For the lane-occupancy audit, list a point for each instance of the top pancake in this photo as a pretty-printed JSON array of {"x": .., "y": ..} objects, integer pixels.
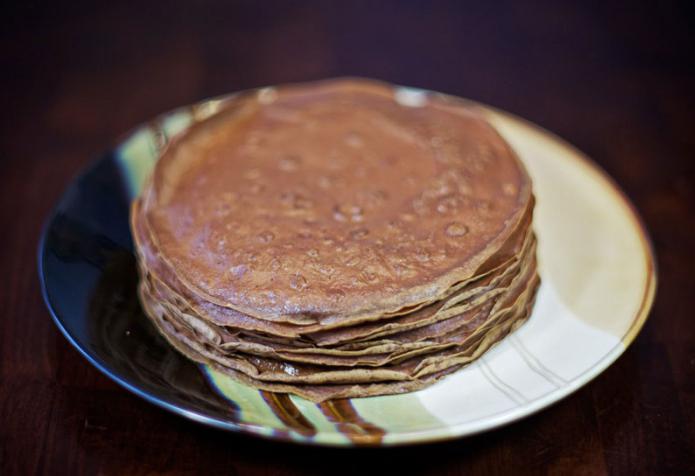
[{"x": 334, "y": 199}]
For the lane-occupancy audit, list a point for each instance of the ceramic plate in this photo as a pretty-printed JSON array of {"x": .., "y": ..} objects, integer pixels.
[{"x": 598, "y": 284}]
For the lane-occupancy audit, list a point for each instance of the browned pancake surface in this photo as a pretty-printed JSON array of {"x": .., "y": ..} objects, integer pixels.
[{"x": 333, "y": 199}]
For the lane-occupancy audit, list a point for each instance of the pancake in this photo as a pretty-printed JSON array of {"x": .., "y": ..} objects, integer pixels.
[
  {"x": 283, "y": 371},
  {"x": 333, "y": 200},
  {"x": 337, "y": 239},
  {"x": 220, "y": 315},
  {"x": 445, "y": 335},
  {"x": 320, "y": 393},
  {"x": 422, "y": 318}
]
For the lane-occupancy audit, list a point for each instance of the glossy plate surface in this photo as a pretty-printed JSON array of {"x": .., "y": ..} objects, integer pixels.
[{"x": 598, "y": 284}]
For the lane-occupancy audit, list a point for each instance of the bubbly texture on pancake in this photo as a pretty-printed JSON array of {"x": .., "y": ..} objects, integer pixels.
[
  {"x": 337, "y": 239},
  {"x": 333, "y": 199}
]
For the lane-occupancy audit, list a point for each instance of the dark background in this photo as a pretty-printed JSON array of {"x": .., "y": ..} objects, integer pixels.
[{"x": 614, "y": 78}]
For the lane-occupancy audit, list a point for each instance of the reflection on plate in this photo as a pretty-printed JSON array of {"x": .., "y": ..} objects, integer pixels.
[{"x": 598, "y": 284}]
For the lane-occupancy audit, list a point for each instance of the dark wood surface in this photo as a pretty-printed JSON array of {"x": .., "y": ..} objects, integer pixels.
[{"x": 616, "y": 80}]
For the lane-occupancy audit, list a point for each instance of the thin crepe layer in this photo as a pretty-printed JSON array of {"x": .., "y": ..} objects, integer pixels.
[
  {"x": 320, "y": 393},
  {"x": 407, "y": 340},
  {"x": 464, "y": 170},
  {"x": 281, "y": 371},
  {"x": 322, "y": 333}
]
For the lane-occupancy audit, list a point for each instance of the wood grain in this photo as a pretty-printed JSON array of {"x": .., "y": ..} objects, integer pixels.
[{"x": 617, "y": 80}]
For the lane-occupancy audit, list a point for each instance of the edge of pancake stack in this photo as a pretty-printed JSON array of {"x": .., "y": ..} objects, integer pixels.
[{"x": 337, "y": 239}]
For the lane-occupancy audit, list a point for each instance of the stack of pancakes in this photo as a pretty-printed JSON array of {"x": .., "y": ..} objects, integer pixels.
[{"x": 337, "y": 239}]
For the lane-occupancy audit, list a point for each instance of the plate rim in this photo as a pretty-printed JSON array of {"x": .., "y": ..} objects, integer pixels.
[{"x": 406, "y": 438}]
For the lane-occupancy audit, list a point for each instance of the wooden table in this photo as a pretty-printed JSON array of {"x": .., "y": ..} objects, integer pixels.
[{"x": 617, "y": 81}]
